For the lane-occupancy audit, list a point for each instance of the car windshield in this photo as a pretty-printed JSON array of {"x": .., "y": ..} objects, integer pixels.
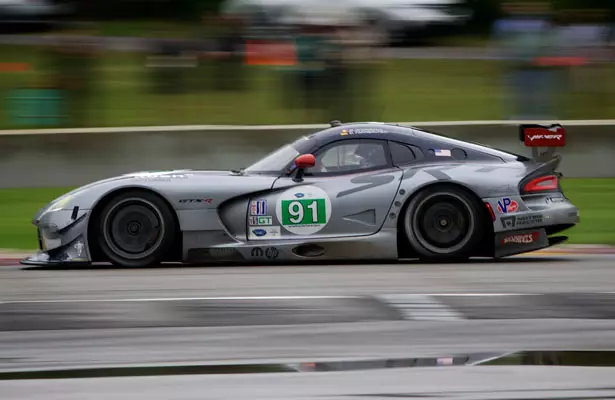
[{"x": 275, "y": 161}]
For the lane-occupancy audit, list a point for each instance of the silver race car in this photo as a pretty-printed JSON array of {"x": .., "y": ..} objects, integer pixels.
[{"x": 362, "y": 191}]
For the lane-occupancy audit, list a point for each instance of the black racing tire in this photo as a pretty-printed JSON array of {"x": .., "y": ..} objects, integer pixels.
[
  {"x": 444, "y": 223},
  {"x": 136, "y": 229}
]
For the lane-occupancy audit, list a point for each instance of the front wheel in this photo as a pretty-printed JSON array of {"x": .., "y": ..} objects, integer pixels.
[
  {"x": 136, "y": 229},
  {"x": 444, "y": 224}
]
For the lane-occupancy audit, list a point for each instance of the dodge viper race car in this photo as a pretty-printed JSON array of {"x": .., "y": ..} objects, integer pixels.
[{"x": 361, "y": 191}]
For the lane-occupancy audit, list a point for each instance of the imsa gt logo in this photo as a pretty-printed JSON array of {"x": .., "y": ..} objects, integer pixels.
[{"x": 259, "y": 221}]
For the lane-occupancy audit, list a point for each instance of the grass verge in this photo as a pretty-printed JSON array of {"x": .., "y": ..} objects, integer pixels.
[{"x": 594, "y": 197}]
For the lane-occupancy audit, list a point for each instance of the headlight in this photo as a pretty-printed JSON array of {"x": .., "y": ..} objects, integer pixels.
[
  {"x": 60, "y": 203},
  {"x": 49, "y": 237}
]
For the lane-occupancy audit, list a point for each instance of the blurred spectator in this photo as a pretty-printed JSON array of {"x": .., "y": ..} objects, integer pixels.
[
  {"x": 586, "y": 40},
  {"x": 364, "y": 42},
  {"x": 228, "y": 54},
  {"x": 72, "y": 70},
  {"x": 524, "y": 36},
  {"x": 311, "y": 43},
  {"x": 337, "y": 77},
  {"x": 165, "y": 65}
]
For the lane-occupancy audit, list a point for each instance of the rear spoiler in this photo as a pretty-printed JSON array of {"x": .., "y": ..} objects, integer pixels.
[{"x": 541, "y": 136}]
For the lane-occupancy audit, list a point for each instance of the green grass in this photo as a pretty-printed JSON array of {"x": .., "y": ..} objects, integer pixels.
[
  {"x": 594, "y": 197},
  {"x": 17, "y": 208},
  {"x": 404, "y": 90}
]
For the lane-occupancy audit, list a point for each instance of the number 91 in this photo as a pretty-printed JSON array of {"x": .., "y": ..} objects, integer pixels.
[{"x": 295, "y": 209}]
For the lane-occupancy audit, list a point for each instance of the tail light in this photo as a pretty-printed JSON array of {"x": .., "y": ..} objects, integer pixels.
[
  {"x": 542, "y": 184},
  {"x": 490, "y": 211}
]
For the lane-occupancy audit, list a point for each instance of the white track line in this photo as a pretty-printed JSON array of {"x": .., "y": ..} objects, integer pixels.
[
  {"x": 257, "y": 298},
  {"x": 418, "y": 307},
  {"x": 419, "y": 300},
  {"x": 158, "y": 299},
  {"x": 486, "y": 360}
]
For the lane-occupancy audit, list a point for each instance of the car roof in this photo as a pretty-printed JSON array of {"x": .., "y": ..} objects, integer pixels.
[
  {"x": 399, "y": 133},
  {"x": 366, "y": 130}
]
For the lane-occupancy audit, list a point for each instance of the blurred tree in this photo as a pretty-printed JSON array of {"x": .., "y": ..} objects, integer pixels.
[
  {"x": 145, "y": 9},
  {"x": 484, "y": 13}
]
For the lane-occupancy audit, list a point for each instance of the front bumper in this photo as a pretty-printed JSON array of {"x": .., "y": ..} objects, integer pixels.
[
  {"x": 74, "y": 253},
  {"x": 62, "y": 238}
]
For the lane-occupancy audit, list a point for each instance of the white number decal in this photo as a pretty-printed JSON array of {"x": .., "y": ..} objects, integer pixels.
[
  {"x": 314, "y": 208},
  {"x": 296, "y": 210}
]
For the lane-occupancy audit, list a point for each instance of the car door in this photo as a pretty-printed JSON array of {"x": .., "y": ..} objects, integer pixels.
[{"x": 339, "y": 196}]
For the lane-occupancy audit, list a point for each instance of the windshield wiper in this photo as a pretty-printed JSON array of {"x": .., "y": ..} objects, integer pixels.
[{"x": 238, "y": 171}]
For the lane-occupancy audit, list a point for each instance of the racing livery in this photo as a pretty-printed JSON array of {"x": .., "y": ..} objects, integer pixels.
[{"x": 360, "y": 191}]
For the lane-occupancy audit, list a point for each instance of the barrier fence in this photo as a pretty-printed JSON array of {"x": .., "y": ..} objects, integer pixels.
[{"x": 72, "y": 157}]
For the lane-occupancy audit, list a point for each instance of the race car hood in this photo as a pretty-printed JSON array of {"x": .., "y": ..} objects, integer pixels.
[{"x": 183, "y": 189}]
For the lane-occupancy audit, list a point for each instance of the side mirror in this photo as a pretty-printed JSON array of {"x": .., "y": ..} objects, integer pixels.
[{"x": 302, "y": 162}]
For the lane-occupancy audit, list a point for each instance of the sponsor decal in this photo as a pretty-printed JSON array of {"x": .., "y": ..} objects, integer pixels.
[
  {"x": 441, "y": 153},
  {"x": 306, "y": 215},
  {"x": 160, "y": 175},
  {"x": 259, "y": 221},
  {"x": 270, "y": 232},
  {"x": 507, "y": 205},
  {"x": 272, "y": 253},
  {"x": 208, "y": 201},
  {"x": 299, "y": 195},
  {"x": 361, "y": 131},
  {"x": 521, "y": 220},
  {"x": 258, "y": 207},
  {"x": 79, "y": 249},
  {"x": 540, "y": 136},
  {"x": 524, "y": 238},
  {"x": 536, "y": 136}
]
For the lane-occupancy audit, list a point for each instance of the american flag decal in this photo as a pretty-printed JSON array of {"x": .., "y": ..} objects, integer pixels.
[
  {"x": 258, "y": 207},
  {"x": 442, "y": 153}
]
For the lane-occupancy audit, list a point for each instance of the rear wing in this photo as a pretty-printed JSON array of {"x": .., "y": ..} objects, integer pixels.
[{"x": 540, "y": 136}]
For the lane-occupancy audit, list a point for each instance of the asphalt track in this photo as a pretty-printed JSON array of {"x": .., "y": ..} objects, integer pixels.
[
  {"x": 109, "y": 317},
  {"x": 538, "y": 274}
]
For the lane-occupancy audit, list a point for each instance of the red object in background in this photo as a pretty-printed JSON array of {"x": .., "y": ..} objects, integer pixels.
[
  {"x": 544, "y": 183},
  {"x": 14, "y": 67},
  {"x": 560, "y": 61},
  {"x": 542, "y": 136},
  {"x": 305, "y": 161},
  {"x": 270, "y": 53}
]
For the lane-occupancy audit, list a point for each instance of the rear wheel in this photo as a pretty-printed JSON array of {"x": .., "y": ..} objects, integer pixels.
[
  {"x": 136, "y": 229},
  {"x": 443, "y": 224}
]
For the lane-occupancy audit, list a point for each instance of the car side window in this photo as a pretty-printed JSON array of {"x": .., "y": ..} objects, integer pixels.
[
  {"x": 401, "y": 154},
  {"x": 350, "y": 156}
]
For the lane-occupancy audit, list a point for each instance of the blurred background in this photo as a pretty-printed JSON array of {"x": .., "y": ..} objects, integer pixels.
[{"x": 169, "y": 62}]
